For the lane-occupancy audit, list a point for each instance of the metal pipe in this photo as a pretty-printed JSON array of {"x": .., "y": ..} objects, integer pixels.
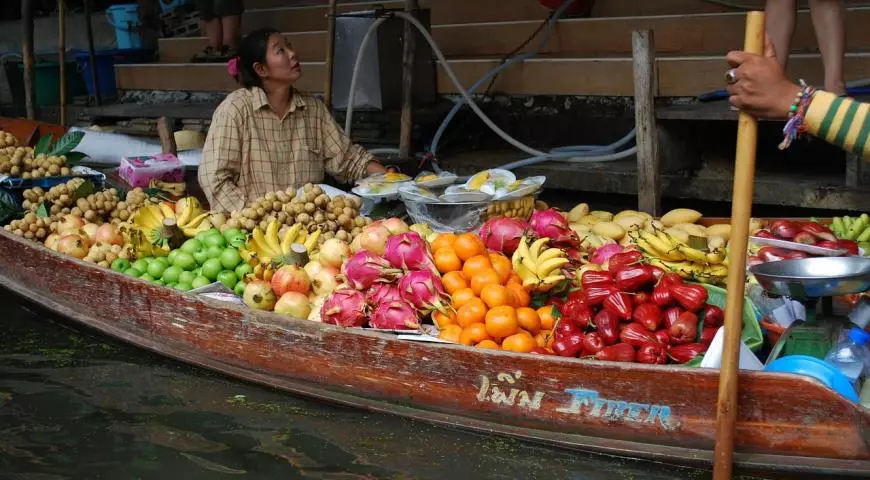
[{"x": 330, "y": 53}]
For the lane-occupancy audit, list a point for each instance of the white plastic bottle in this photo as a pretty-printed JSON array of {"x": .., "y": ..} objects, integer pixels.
[{"x": 851, "y": 356}]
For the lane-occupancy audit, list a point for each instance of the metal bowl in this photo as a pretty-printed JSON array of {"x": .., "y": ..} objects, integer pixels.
[{"x": 814, "y": 277}]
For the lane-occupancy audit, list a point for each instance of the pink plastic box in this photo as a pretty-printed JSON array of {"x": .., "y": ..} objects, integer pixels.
[{"x": 138, "y": 171}]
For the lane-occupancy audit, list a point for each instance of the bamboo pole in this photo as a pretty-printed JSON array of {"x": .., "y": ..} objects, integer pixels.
[
  {"x": 407, "y": 120},
  {"x": 741, "y": 209},
  {"x": 27, "y": 54},
  {"x": 330, "y": 53},
  {"x": 89, "y": 9},
  {"x": 61, "y": 43}
]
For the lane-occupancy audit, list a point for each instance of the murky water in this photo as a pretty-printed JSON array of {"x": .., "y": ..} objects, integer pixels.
[{"x": 75, "y": 405}]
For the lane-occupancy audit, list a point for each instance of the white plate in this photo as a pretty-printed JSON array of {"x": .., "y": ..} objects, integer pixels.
[
  {"x": 443, "y": 179},
  {"x": 801, "y": 247}
]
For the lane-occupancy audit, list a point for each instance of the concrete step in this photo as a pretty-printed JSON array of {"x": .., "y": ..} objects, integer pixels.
[
  {"x": 700, "y": 34},
  {"x": 546, "y": 75}
]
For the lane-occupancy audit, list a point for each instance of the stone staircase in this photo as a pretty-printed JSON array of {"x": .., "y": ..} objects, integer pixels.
[{"x": 574, "y": 92}]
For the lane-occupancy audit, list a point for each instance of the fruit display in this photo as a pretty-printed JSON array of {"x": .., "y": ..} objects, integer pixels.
[
  {"x": 794, "y": 234},
  {"x": 46, "y": 159},
  {"x": 539, "y": 267}
]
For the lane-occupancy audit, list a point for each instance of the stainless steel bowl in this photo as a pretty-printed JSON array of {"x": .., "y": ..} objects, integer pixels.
[{"x": 814, "y": 277}]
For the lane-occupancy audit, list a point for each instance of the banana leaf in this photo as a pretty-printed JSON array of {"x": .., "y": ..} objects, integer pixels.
[{"x": 10, "y": 209}]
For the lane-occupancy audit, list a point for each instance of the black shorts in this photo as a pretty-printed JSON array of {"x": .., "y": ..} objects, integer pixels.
[{"x": 209, "y": 9}]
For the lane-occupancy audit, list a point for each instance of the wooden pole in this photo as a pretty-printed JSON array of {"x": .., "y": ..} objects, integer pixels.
[
  {"x": 89, "y": 8},
  {"x": 166, "y": 133},
  {"x": 741, "y": 209},
  {"x": 330, "y": 53},
  {"x": 407, "y": 121},
  {"x": 61, "y": 34},
  {"x": 648, "y": 167},
  {"x": 27, "y": 54}
]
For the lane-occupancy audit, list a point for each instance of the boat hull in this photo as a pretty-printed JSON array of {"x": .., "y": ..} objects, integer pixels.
[{"x": 786, "y": 424}]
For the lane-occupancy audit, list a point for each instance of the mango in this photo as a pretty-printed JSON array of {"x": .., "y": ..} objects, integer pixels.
[{"x": 680, "y": 215}]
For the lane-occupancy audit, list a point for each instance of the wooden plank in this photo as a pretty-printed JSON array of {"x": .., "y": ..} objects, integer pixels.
[
  {"x": 648, "y": 167},
  {"x": 310, "y": 47},
  {"x": 199, "y": 77},
  {"x": 166, "y": 132},
  {"x": 409, "y": 45}
]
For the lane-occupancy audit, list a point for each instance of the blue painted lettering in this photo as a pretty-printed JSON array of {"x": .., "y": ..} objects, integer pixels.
[{"x": 591, "y": 404}]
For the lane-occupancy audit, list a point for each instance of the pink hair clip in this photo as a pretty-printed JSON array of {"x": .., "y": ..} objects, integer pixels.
[{"x": 233, "y": 67}]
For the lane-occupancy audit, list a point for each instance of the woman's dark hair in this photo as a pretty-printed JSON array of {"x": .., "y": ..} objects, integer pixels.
[{"x": 252, "y": 50}]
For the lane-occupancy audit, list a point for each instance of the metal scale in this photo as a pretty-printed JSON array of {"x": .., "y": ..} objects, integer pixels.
[{"x": 813, "y": 281}]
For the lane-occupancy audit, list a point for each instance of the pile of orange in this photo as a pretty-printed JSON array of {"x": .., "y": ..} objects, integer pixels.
[{"x": 491, "y": 306}]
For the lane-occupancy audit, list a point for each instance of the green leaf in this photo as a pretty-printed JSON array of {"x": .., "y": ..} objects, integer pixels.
[
  {"x": 85, "y": 189},
  {"x": 67, "y": 143},
  {"x": 153, "y": 192},
  {"x": 73, "y": 158},
  {"x": 43, "y": 210},
  {"x": 696, "y": 242},
  {"x": 9, "y": 207},
  {"x": 43, "y": 145}
]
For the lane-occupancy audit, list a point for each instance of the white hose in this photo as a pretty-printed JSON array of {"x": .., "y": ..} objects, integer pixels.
[{"x": 356, "y": 67}]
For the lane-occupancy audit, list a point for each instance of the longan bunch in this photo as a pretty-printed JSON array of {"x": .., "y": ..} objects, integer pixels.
[
  {"x": 7, "y": 140},
  {"x": 30, "y": 227},
  {"x": 58, "y": 196},
  {"x": 126, "y": 208},
  {"x": 104, "y": 254},
  {"x": 336, "y": 218},
  {"x": 96, "y": 207},
  {"x": 20, "y": 162}
]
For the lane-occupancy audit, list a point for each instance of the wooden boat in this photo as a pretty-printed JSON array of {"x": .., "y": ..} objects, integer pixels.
[{"x": 789, "y": 425}]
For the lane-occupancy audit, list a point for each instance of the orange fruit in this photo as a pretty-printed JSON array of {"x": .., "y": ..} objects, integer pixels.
[
  {"x": 441, "y": 320},
  {"x": 446, "y": 260},
  {"x": 475, "y": 265},
  {"x": 450, "y": 333},
  {"x": 515, "y": 279},
  {"x": 473, "y": 334},
  {"x": 443, "y": 240},
  {"x": 462, "y": 297},
  {"x": 521, "y": 296},
  {"x": 519, "y": 342},
  {"x": 502, "y": 322},
  {"x": 453, "y": 282},
  {"x": 472, "y": 312},
  {"x": 483, "y": 278},
  {"x": 468, "y": 245},
  {"x": 488, "y": 344},
  {"x": 502, "y": 266},
  {"x": 494, "y": 295},
  {"x": 545, "y": 338},
  {"x": 548, "y": 320},
  {"x": 528, "y": 319}
]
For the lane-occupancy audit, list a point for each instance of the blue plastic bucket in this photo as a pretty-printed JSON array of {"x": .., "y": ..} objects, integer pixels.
[
  {"x": 170, "y": 5},
  {"x": 106, "y": 61},
  {"x": 125, "y": 19}
]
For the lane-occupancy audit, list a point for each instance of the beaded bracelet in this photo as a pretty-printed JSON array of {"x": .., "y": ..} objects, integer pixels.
[{"x": 795, "y": 126}]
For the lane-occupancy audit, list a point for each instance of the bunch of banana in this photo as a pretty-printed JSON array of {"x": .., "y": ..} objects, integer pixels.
[
  {"x": 673, "y": 255},
  {"x": 270, "y": 248},
  {"x": 141, "y": 245},
  {"x": 538, "y": 268},
  {"x": 174, "y": 189},
  {"x": 188, "y": 214}
]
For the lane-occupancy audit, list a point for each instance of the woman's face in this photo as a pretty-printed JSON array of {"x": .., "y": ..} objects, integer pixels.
[{"x": 282, "y": 64}]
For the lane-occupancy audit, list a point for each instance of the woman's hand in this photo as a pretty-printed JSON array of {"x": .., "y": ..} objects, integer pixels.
[{"x": 761, "y": 87}]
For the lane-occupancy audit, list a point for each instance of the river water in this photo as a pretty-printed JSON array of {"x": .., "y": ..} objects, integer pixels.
[{"x": 76, "y": 405}]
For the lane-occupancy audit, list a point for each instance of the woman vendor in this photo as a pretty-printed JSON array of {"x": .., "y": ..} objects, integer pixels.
[{"x": 268, "y": 136}]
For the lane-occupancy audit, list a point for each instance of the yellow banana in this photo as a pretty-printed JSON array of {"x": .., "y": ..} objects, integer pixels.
[
  {"x": 311, "y": 241},
  {"x": 525, "y": 274},
  {"x": 184, "y": 218},
  {"x": 301, "y": 236},
  {"x": 262, "y": 246},
  {"x": 271, "y": 236},
  {"x": 195, "y": 221},
  {"x": 692, "y": 254},
  {"x": 289, "y": 237},
  {"x": 521, "y": 251},
  {"x": 717, "y": 256},
  {"x": 191, "y": 232},
  {"x": 548, "y": 254},
  {"x": 546, "y": 268},
  {"x": 535, "y": 248},
  {"x": 166, "y": 210},
  {"x": 665, "y": 251}
]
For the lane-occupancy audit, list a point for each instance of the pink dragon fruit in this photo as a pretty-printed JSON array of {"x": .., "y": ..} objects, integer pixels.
[
  {"x": 344, "y": 307},
  {"x": 409, "y": 251},
  {"x": 395, "y": 315},
  {"x": 423, "y": 290},
  {"x": 364, "y": 269},
  {"x": 552, "y": 224},
  {"x": 381, "y": 293},
  {"x": 503, "y": 234}
]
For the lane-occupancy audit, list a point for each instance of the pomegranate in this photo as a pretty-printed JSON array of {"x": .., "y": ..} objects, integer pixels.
[
  {"x": 89, "y": 231},
  {"x": 345, "y": 308},
  {"x": 396, "y": 316},
  {"x": 259, "y": 295},
  {"x": 374, "y": 239},
  {"x": 364, "y": 269},
  {"x": 324, "y": 283},
  {"x": 423, "y": 290},
  {"x": 312, "y": 268},
  {"x": 73, "y": 245},
  {"x": 108, "y": 234},
  {"x": 293, "y": 304},
  {"x": 70, "y": 224},
  {"x": 381, "y": 293},
  {"x": 290, "y": 278},
  {"x": 409, "y": 251},
  {"x": 395, "y": 225},
  {"x": 503, "y": 234},
  {"x": 334, "y": 252},
  {"x": 355, "y": 245},
  {"x": 51, "y": 241}
]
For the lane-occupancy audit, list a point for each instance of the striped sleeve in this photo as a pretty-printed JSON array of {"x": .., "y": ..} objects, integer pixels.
[{"x": 841, "y": 121}]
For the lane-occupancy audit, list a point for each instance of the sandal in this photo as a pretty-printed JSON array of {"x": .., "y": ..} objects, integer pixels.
[{"x": 208, "y": 55}]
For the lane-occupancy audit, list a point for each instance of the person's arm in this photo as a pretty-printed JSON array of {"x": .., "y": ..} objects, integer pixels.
[
  {"x": 222, "y": 160},
  {"x": 344, "y": 160},
  {"x": 841, "y": 121}
]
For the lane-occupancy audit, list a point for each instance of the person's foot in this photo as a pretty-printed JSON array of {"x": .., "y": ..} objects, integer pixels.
[
  {"x": 837, "y": 88},
  {"x": 209, "y": 55}
]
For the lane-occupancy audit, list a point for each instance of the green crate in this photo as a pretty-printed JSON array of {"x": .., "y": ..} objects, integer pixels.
[{"x": 47, "y": 83}]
